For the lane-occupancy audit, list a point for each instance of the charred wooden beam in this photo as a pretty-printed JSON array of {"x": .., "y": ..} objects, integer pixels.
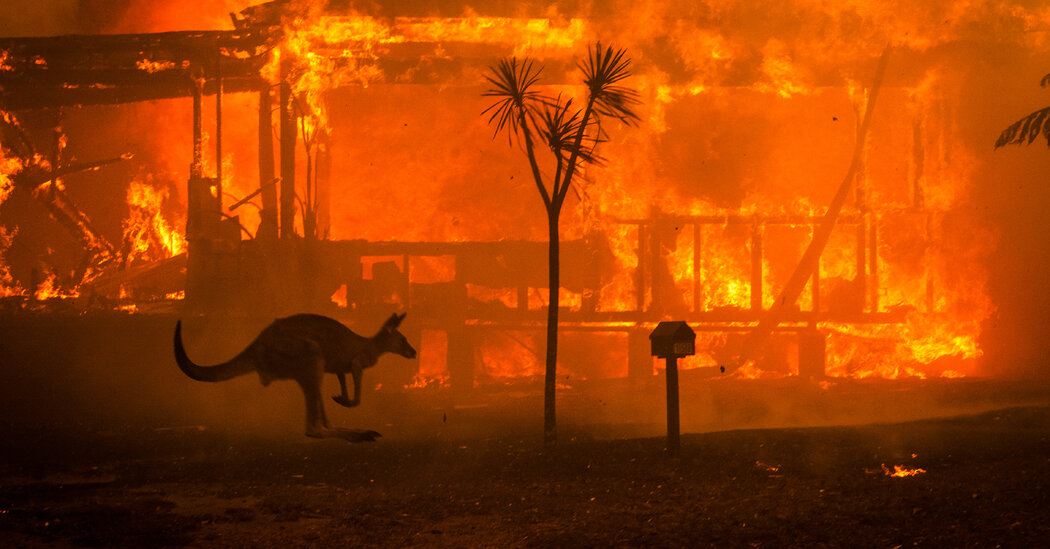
[{"x": 41, "y": 72}]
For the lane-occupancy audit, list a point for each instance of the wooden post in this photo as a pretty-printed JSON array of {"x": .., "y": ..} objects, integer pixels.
[
  {"x": 218, "y": 126},
  {"x": 268, "y": 224},
  {"x": 287, "y": 156},
  {"x": 673, "y": 427},
  {"x": 196, "y": 183},
  {"x": 198, "y": 147}
]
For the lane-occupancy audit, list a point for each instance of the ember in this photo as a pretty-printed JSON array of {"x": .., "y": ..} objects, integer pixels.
[{"x": 900, "y": 471}]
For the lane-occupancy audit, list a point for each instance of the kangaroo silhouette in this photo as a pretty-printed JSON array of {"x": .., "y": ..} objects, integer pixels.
[{"x": 302, "y": 348}]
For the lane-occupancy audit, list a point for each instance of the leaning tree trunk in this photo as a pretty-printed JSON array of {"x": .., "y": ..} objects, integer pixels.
[{"x": 550, "y": 436}]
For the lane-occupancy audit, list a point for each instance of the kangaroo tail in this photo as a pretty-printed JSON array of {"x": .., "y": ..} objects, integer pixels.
[{"x": 238, "y": 365}]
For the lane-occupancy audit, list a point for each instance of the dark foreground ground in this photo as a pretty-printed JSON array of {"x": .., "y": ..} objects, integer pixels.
[{"x": 987, "y": 483}]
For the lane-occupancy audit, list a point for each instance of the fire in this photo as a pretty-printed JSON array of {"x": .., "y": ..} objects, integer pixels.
[
  {"x": 9, "y": 167},
  {"x": 8, "y": 286},
  {"x": 5, "y": 61},
  {"x": 900, "y": 471},
  {"x": 148, "y": 234},
  {"x": 49, "y": 288},
  {"x": 740, "y": 126},
  {"x": 154, "y": 66}
]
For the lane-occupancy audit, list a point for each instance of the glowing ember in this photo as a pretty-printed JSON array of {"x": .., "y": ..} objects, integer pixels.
[
  {"x": 154, "y": 66},
  {"x": 900, "y": 471}
]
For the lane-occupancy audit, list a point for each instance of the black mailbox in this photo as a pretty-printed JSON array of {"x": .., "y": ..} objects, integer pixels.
[{"x": 673, "y": 339}]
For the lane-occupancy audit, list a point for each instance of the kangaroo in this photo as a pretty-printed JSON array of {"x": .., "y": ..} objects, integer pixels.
[{"x": 302, "y": 348}]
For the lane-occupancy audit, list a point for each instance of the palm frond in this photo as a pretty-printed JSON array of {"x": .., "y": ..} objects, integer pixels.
[
  {"x": 1027, "y": 129},
  {"x": 602, "y": 72},
  {"x": 513, "y": 84},
  {"x": 559, "y": 125}
]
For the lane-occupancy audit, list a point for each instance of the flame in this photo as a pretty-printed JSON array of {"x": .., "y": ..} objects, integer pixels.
[
  {"x": 154, "y": 66},
  {"x": 9, "y": 167},
  {"x": 900, "y": 471},
  {"x": 5, "y": 61},
  {"x": 149, "y": 235},
  {"x": 757, "y": 99},
  {"x": 8, "y": 286},
  {"x": 49, "y": 288}
]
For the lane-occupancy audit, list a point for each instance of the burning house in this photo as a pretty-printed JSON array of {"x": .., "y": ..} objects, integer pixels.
[{"x": 328, "y": 157}]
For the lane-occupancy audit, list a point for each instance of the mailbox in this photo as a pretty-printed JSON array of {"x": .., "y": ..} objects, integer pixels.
[{"x": 673, "y": 339}]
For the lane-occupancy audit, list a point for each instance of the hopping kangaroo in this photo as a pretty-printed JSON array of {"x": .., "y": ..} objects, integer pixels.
[{"x": 303, "y": 347}]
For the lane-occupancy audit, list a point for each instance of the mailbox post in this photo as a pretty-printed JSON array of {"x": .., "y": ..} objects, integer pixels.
[{"x": 671, "y": 340}]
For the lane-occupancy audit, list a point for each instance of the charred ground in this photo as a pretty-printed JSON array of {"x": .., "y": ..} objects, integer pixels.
[
  {"x": 986, "y": 484},
  {"x": 103, "y": 442}
]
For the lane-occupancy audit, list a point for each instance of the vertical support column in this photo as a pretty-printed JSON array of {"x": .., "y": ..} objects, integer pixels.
[
  {"x": 756, "y": 267},
  {"x": 196, "y": 183},
  {"x": 196, "y": 263},
  {"x": 218, "y": 125},
  {"x": 198, "y": 146},
  {"x": 287, "y": 156},
  {"x": 268, "y": 224}
]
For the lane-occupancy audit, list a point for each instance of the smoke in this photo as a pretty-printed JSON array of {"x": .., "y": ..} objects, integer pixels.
[{"x": 36, "y": 18}]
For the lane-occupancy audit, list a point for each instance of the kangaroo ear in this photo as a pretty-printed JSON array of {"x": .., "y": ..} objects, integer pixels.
[{"x": 394, "y": 321}]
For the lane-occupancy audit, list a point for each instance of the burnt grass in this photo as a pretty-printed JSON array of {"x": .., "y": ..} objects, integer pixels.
[{"x": 987, "y": 484}]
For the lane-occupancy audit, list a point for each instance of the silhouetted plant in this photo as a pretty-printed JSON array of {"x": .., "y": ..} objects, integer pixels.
[
  {"x": 1027, "y": 129},
  {"x": 572, "y": 136}
]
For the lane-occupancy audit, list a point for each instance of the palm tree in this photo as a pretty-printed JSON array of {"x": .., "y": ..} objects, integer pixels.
[
  {"x": 572, "y": 136},
  {"x": 1027, "y": 129}
]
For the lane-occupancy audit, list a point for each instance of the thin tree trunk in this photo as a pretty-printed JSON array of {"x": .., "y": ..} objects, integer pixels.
[{"x": 550, "y": 436}]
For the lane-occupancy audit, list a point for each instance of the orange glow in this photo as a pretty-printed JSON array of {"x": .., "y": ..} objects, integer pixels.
[
  {"x": 339, "y": 297},
  {"x": 150, "y": 235},
  {"x": 433, "y": 368},
  {"x": 736, "y": 127},
  {"x": 900, "y": 471},
  {"x": 49, "y": 289},
  {"x": 154, "y": 66},
  {"x": 8, "y": 168}
]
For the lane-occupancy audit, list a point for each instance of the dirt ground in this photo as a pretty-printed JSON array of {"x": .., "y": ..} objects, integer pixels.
[
  {"x": 104, "y": 442},
  {"x": 986, "y": 484}
]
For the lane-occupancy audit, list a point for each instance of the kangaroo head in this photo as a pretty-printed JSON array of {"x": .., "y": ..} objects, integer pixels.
[{"x": 391, "y": 340}]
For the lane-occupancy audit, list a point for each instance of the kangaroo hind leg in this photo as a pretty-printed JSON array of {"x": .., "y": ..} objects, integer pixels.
[{"x": 316, "y": 420}]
